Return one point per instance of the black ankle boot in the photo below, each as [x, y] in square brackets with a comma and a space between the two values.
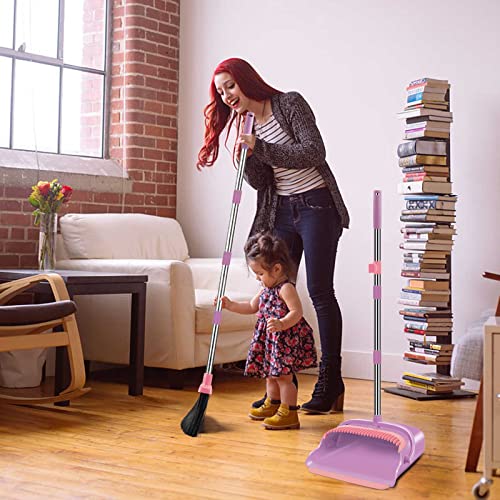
[328, 394]
[260, 402]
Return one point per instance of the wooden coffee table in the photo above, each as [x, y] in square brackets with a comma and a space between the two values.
[97, 283]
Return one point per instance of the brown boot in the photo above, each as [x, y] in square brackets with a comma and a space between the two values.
[268, 409]
[284, 418]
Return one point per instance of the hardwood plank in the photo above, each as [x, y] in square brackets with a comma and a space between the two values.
[110, 445]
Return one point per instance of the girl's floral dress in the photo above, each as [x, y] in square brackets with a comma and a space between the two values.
[279, 353]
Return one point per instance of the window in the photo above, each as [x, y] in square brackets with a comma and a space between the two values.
[53, 75]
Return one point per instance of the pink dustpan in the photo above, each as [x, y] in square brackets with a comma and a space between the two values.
[371, 453]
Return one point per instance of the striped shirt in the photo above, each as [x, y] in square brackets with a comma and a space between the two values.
[288, 180]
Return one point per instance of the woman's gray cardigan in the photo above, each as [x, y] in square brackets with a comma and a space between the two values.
[297, 119]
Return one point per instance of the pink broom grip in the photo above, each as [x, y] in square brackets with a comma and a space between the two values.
[248, 125]
[377, 209]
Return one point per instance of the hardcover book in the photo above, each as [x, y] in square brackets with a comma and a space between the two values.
[410, 113]
[431, 82]
[419, 159]
[424, 187]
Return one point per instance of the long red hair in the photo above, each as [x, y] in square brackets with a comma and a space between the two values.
[218, 114]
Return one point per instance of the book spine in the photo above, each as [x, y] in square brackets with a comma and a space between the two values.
[422, 345]
[416, 134]
[420, 385]
[416, 176]
[408, 161]
[435, 169]
[407, 149]
[416, 90]
[428, 125]
[416, 204]
[426, 350]
[438, 205]
[415, 97]
[417, 325]
[424, 186]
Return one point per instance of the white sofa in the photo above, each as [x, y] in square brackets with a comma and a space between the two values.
[180, 291]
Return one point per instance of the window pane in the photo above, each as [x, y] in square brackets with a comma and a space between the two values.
[6, 23]
[36, 104]
[84, 33]
[82, 103]
[5, 82]
[37, 26]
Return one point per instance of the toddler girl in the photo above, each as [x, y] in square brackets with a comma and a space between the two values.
[283, 341]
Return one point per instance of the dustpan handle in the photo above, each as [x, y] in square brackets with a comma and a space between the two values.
[376, 269]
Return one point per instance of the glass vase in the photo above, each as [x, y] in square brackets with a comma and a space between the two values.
[47, 242]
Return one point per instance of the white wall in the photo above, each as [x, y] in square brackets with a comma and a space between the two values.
[352, 61]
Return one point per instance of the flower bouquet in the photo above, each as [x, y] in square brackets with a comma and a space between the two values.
[47, 198]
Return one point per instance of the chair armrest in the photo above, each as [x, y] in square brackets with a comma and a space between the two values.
[206, 274]
[13, 288]
[491, 276]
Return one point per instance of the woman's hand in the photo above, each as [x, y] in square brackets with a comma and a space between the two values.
[249, 140]
[274, 325]
[226, 303]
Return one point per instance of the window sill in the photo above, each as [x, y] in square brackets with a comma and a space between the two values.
[26, 168]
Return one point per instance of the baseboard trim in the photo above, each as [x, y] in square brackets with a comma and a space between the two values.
[359, 364]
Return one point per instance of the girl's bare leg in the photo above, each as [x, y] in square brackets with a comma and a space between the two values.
[272, 388]
[287, 389]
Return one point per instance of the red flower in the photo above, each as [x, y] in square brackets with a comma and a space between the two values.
[44, 188]
[67, 192]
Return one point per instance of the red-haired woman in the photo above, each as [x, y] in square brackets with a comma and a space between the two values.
[297, 195]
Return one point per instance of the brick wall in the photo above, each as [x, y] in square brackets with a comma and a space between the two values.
[93, 37]
[143, 129]
[144, 101]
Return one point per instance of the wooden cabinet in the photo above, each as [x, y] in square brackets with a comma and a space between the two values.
[491, 399]
[491, 406]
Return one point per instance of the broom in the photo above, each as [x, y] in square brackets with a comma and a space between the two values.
[192, 422]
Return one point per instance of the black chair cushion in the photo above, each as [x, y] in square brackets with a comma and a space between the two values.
[35, 313]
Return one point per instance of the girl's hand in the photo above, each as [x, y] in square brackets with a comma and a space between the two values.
[226, 303]
[274, 325]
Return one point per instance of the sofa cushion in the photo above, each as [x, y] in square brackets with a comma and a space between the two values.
[230, 322]
[123, 236]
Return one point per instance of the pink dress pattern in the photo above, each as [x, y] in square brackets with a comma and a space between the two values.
[279, 353]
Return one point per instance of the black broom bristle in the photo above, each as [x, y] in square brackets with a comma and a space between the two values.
[192, 422]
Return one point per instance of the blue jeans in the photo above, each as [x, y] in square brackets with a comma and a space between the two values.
[309, 223]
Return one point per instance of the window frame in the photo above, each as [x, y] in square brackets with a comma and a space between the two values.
[58, 61]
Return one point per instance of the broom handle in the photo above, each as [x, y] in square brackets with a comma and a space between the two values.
[226, 257]
[377, 297]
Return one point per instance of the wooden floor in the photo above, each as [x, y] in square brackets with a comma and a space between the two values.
[110, 445]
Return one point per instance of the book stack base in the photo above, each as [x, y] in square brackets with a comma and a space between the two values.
[459, 393]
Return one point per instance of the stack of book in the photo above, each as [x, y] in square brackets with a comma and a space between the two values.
[428, 216]
[429, 383]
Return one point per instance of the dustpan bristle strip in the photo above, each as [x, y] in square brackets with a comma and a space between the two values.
[392, 437]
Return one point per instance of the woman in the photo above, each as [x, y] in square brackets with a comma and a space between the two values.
[297, 195]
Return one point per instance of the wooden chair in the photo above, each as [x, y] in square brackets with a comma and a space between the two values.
[476, 435]
[26, 327]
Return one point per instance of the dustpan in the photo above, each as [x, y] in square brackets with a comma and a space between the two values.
[371, 453]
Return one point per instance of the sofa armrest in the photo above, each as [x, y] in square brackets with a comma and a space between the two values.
[170, 304]
[206, 274]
